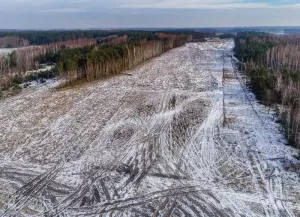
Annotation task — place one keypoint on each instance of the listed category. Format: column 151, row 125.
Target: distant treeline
column 292, row 31
column 195, row 34
column 273, row 65
column 47, row 37
column 226, row 35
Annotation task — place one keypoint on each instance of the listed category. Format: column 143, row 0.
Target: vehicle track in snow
column 150, row 144
column 266, row 177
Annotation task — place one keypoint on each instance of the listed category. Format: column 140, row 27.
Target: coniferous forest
column 272, row 64
column 96, row 62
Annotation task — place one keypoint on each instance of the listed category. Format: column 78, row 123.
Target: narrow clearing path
column 151, row 144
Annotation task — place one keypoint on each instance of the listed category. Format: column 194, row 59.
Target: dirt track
column 150, row 144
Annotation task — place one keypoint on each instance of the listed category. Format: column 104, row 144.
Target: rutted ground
column 150, row 144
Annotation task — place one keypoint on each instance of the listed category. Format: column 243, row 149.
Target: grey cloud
column 123, row 18
column 136, row 13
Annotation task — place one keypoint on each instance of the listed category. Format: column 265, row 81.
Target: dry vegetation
column 13, row 42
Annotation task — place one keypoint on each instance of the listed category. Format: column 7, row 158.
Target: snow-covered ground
column 6, row 51
column 44, row 69
column 150, row 144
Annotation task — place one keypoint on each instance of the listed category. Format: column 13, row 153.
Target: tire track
column 30, row 190
column 255, row 162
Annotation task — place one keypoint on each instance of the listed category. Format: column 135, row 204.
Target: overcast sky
column 26, row 14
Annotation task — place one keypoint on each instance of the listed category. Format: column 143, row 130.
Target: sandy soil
column 150, row 144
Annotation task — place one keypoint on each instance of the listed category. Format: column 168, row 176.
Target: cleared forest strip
column 148, row 144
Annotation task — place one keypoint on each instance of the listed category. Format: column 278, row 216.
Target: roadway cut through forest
column 150, row 144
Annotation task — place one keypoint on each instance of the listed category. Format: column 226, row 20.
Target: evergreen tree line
column 95, row 62
column 273, row 65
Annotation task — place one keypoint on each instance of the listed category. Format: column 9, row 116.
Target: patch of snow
column 44, row 69
column 6, row 51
